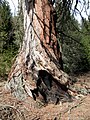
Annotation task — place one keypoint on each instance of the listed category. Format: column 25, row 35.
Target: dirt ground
column 78, row 109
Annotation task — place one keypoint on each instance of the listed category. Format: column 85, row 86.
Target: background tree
column 6, row 28
column 74, row 56
column 85, row 28
column 18, row 27
column 8, row 47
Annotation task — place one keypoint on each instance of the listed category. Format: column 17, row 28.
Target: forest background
column 73, row 38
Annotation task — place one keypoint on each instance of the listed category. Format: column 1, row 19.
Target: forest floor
column 78, row 109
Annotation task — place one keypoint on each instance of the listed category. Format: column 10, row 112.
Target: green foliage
column 6, row 29
column 85, row 28
column 74, row 55
column 18, row 29
column 6, row 59
column 11, row 36
column 8, row 45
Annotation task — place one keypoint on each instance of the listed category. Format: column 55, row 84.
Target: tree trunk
column 36, row 71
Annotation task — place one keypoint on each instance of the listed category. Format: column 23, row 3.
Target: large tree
column 37, row 71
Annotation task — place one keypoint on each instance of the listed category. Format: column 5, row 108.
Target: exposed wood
column 37, row 71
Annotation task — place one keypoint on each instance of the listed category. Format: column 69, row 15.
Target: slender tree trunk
column 36, row 71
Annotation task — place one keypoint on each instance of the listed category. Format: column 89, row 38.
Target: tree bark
column 36, row 70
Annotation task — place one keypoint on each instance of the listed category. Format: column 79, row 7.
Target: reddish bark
column 46, row 18
column 36, row 71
